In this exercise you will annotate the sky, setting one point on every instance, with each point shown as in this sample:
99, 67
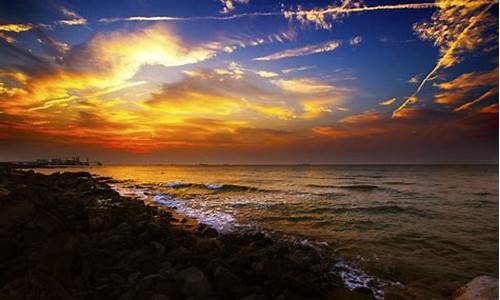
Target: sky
250, 81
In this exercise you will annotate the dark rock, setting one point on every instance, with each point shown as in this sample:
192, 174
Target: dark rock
133, 278
195, 284
160, 297
207, 231
159, 249
34, 286
60, 258
225, 279
14, 214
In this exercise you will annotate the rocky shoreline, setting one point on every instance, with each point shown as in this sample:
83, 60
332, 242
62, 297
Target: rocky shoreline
70, 236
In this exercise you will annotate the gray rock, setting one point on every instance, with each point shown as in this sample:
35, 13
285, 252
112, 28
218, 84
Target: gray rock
479, 288
195, 284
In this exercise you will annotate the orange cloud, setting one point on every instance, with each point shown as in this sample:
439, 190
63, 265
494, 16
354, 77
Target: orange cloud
458, 88
365, 117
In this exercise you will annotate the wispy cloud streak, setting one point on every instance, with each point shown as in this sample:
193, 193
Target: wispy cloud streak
307, 50
286, 14
174, 18
484, 96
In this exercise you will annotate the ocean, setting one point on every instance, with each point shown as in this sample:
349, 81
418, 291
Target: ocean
391, 224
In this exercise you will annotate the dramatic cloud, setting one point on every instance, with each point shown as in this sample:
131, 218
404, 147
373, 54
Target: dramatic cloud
107, 62
456, 28
307, 50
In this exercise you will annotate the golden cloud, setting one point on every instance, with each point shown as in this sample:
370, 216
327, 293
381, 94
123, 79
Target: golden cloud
307, 86
313, 108
16, 27
266, 74
387, 102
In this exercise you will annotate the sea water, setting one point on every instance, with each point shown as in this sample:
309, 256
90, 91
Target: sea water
386, 224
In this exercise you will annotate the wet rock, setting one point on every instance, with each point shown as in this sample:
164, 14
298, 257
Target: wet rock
207, 231
479, 288
195, 284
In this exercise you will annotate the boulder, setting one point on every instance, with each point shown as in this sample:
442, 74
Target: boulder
479, 288
195, 284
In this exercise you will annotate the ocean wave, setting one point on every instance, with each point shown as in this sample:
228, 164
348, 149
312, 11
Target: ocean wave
398, 183
221, 221
354, 187
212, 187
370, 210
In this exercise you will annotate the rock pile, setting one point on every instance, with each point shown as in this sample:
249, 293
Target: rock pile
69, 236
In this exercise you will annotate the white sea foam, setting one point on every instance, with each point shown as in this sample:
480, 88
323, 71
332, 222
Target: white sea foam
221, 221
355, 278
212, 186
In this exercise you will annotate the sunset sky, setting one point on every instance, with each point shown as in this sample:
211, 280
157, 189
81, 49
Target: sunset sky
250, 81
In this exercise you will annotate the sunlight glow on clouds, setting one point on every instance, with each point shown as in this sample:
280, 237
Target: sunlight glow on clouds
223, 78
